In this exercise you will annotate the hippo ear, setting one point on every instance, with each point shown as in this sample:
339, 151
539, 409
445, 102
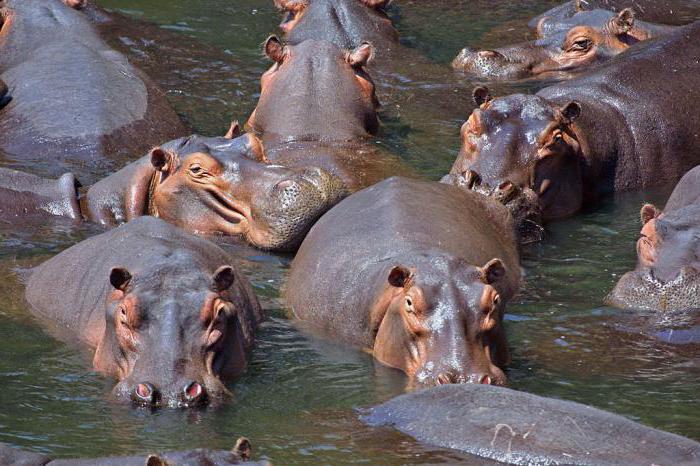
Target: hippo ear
376, 4
399, 276
234, 130
361, 55
624, 21
155, 460
648, 212
274, 49
119, 278
291, 5
570, 111
161, 159
481, 95
76, 4
222, 279
493, 271
254, 148
242, 448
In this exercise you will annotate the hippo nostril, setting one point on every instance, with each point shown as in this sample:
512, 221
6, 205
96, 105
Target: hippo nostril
193, 391
485, 379
444, 379
487, 54
471, 178
284, 184
144, 393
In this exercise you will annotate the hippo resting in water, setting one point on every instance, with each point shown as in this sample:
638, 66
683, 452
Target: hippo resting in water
205, 185
240, 454
667, 276
587, 38
416, 272
167, 313
629, 124
519, 428
73, 99
318, 107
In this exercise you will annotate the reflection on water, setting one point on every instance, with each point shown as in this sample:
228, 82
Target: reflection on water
297, 400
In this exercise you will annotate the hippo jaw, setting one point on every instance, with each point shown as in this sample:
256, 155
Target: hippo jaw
641, 290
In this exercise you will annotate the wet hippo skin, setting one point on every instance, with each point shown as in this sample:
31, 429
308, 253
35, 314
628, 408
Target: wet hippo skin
519, 428
667, 276
22, 194
615, 128
416, 272
75, 103
677, 12
168, 314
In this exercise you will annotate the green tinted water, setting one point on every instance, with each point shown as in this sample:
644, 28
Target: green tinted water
296, 401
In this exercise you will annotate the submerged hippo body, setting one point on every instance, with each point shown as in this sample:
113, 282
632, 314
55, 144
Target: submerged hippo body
167, 313
417, 272
318, 107
22, 194
667, 276
619, 127
585, 39
73, 99
519, 428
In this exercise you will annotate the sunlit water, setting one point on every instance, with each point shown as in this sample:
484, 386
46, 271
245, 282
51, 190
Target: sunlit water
297, 401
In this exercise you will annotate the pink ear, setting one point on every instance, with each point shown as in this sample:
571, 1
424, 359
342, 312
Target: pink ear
399, 276
377, 4
648, 212
160, 159
481, 95
76, 4
361, 55
274, 49
493, 271
234, 130
291, 5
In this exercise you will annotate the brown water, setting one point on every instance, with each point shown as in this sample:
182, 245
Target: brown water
297, 400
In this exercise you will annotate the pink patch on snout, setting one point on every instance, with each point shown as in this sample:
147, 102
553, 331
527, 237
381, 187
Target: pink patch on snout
194, 390
143, 390
485, 380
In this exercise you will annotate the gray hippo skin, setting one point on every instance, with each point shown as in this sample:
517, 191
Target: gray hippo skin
416, 272
619, 127
75, 102
22, 194
167, 313
584, 40
667, 276
519, 428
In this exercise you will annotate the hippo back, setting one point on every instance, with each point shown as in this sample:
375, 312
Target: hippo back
686, 192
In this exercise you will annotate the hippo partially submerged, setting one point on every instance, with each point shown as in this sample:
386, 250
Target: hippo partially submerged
73, 99
619, 127
519, 428
167, 313
424, 293
667, 276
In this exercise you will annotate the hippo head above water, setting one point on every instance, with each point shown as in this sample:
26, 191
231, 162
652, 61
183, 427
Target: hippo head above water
158, 352
524, 142
443, 326
587, 38
315, 91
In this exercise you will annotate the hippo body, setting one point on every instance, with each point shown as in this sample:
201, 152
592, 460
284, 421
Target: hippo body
667, 276
148, 296
74, 100
382, 246
615, 128
23, 194
520, 428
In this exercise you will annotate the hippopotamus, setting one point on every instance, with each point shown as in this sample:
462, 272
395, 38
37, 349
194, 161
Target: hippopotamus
424, 294
206, 185
239, 454
615, 128
346, 23
587, 38
318, 107
520, 428
673, 12
74, 101
168, 314
667, 276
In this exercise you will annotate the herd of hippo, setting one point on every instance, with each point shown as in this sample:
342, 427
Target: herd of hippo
416, 272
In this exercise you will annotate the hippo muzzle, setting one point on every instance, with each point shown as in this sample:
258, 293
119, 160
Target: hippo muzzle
640, 289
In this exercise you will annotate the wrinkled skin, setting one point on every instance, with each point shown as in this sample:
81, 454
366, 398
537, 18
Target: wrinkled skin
576, 141
56, 67
520, 428
427, 301
167, 313
317, 107
667, 276
346, 23
588, 38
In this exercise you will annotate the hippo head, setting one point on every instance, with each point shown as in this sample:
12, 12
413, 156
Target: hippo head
439, 320
527, 144
223, 186
342, 22
170, 341
588, 37
667, 276
315, 91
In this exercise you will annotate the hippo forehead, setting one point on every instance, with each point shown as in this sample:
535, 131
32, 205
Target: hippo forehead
531, 115
684, 221
316, 52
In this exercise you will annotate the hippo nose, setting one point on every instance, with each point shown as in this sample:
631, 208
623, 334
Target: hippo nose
193, 393
145, 393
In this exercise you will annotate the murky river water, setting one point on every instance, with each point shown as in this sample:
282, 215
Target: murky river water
297, 400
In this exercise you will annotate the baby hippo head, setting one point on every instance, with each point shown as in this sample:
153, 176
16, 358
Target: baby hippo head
438, 319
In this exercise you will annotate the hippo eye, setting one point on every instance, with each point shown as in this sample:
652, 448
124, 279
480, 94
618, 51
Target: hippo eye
409, 305
196, 169
581, 45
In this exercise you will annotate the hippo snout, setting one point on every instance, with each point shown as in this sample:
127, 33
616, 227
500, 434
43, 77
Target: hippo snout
478, 60
494, 376
181, 394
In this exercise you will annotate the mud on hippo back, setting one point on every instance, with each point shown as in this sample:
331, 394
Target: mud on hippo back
667, 276
75, 103
167, 313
